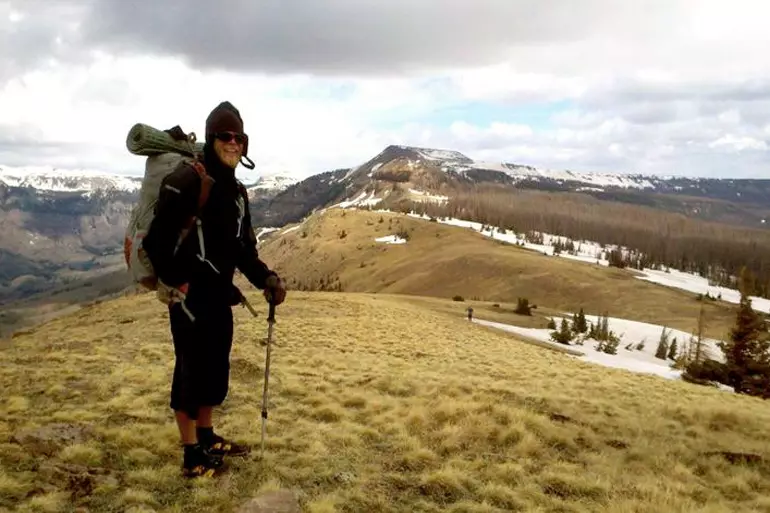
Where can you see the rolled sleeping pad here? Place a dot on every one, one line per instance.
(146, 141)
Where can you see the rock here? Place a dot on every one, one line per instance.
(738, 458)
(48, 439)
(280, 501)
(344, 477)
(79, 480)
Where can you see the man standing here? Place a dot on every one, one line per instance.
(198, 279)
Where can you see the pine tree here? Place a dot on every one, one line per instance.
(604, 327)
(662, 350)
(746, 350)
(564, 335)
(579, 324)
(699, 350)
(672, 350)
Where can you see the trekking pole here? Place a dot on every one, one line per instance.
(270, 322)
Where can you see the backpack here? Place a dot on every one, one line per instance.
(163, 157)
(166, 151)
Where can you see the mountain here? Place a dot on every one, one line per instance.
(51, 179)
(271, 183)
(59, 227)
(54, 223)
(404, 173)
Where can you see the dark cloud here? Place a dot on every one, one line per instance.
(635, 90)
(353, 36)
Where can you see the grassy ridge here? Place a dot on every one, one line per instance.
(444, 261)
(392, 406)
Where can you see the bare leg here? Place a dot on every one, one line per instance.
(186, 427)
(205, 414)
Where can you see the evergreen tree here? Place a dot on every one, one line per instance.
(662, 350)
(579, 323)
(746, 350)
(672, 350)
(564, 335)
(699, 350)
(604, 327)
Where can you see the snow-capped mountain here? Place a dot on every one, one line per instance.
(46, 178)
(397, 171)
(454, 161)
(273, 182)
(54, 222)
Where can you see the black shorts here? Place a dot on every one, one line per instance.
(202, 350)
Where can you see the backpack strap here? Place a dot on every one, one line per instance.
(241, 201)
(206, 183)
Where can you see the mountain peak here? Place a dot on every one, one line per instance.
(421, 153)
(273, 182)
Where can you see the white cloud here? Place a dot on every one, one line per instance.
(680, 87)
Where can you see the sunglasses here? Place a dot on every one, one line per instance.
(229, 136)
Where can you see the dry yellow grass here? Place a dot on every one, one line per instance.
(444, 261)
(392, 406)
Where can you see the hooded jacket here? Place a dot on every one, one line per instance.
(228, 237)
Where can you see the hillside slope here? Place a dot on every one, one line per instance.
(443, 261)
(376, 405)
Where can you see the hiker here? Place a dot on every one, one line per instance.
(200, 289)
(470, 313)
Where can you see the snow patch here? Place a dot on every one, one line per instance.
(391, 239)
(592, 253)
(629, 332)
(430, 154)
(364, 199)
(586, 251)
(265, 231)
(698, 285)
(424, 196)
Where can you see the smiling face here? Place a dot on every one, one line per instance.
(229, 152)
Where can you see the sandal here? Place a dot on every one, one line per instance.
(220, 447)
(200, 462)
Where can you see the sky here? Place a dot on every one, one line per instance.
(674, 87)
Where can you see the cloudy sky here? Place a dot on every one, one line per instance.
(676, 87)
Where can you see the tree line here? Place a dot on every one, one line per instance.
(656, 238)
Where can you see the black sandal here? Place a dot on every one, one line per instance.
(220, 447)
(200, 462)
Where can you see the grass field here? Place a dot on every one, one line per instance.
(392, 406)
(444, 261)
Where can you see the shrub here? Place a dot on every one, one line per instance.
(564, 335)
(705, 372)
(523, 307)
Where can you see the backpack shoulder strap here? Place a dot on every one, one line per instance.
(206, 182)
